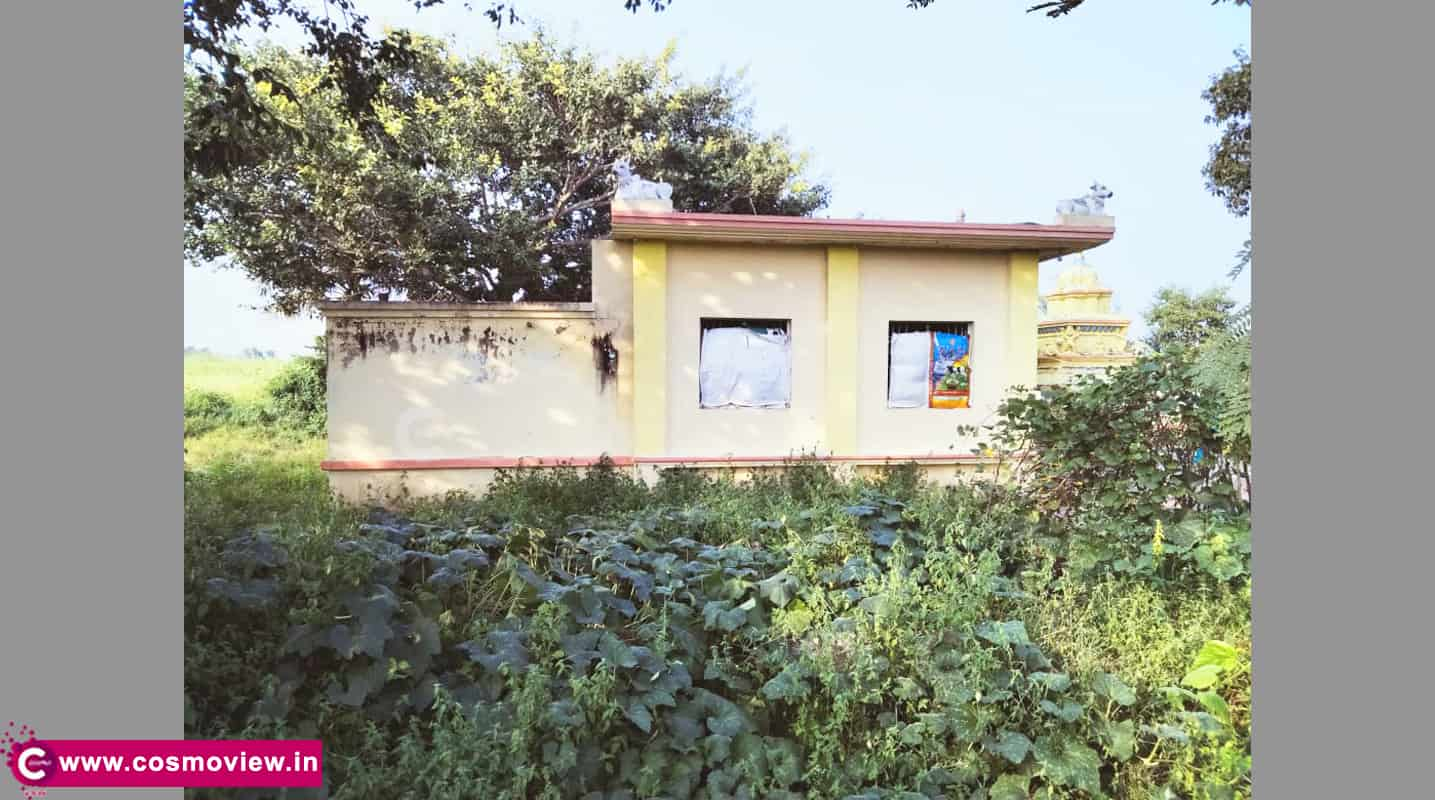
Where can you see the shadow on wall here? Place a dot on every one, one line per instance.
(454, 387)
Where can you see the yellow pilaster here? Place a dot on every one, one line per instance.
(842, 271)
(1021, 330)
(650, 348)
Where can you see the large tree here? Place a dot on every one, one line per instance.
(334, 32)
(489, 179)
(1181, 318)
(1228, 173)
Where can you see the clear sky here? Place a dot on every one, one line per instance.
(914, 114)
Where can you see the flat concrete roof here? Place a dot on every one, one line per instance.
(1048, 241)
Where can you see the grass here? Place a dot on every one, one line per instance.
(242, 476)
(241, 379)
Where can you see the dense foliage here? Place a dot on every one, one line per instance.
(1217, 335)
(801, 635)
(230, 130)
(1139, 445)
(1180, 318)
(1228, 173)
(293, 400)
(492, 178)
(1223, 372)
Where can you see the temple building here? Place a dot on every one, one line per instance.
(1077, 332)
(721, 342)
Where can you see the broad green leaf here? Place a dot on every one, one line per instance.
(1218, 654)
(1054, 681)
(1202, 677)
(779, 589)
(638, 714)
(616, 652)
(1010, 787)
(786, 685)
(1010, 745)
(913, 733)
(1113, 688)
(1067, 762)
(784, 760)
(716, 748)
(1207, 723)
(1119, 738)
(565, 714)
(581, 649)
(1164, 731)
(1215, 704)
(1067, 712)
(726, 720)
(1004, 633)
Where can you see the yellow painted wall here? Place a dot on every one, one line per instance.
(650, 361)
(613, 309)
(931, 286)
(843, 382)
(1073, 306)
(469, 387)
(782, 282)
(1022, 312)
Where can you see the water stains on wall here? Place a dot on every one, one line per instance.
(605, 358)
(492, 350)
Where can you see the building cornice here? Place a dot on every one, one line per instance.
(1048, 241)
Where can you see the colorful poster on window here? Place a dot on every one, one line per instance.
(950, 378)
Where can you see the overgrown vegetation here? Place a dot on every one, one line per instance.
(258, 396)
(806, 634)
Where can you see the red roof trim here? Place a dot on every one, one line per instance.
(780, 223)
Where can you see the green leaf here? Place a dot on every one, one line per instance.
(913, 733)
(1054, 681)
(616, 652)
(716, 748)
(565, 714)
(1202, 677)
(719, 615)
(1215, 704)
(1113, 688)
(638, 714)
(784, 760)
(1010, 787)
(1218, 654)
(779, 589)
(1119, 738)
(1004, 633)
(726, 719)
(1008, 744)
(1164, 731)
(1207, 723)
(789, 684)
(1067, 762)
(1067, 712)
(581, 649)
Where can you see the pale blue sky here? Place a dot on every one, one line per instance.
(915, 114)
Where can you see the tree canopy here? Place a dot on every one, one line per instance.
(1228, 173)
(1180, 317)
(489, 179)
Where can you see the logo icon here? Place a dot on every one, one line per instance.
(31, 761)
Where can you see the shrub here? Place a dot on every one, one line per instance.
(1142, 443)
(205, 411)
(297, 396)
